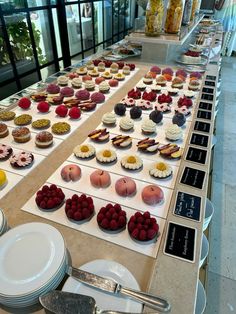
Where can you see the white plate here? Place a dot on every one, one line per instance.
(202, 62)
(30, 256)
(107, 301)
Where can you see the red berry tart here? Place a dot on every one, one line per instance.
(79, 208)
(112, 218)
(143, 227)
(163, 98)
(49, 197)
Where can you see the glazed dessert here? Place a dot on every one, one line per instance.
(151, 96)
(181, 73)
(165, 108)
(135, 112)
(152, 195)
(184, 101)
(189, 94)
(119, 76)
(49, 197)
(113, 83)
(3, 179)
(183, 109)
(67, 91)
(87, 105)
(163, 98)
(99, 80)
(71, 172)
(173, 132)
(120, 109)
(126, 124)
(148, 79)
(40, 96)
(97, 97)
(86, 78)
(82, 94)
(177, 83)
(76, 83)
(122, 141)
(60, 128)
(125, 187)
(168, 77)
(72, 102)
(101, 66)
(7, 115)
(131, 162)
(114, 68)
(109, 119)
(3, 130)
(191, 57)
(24, 103)
(155, 69)
(44, 139)
(89, 85)
(112, 218)
(82, 71)
(167, 71)
(179, 119)
(53, 89)
(156, 116)
(23, 119)
(62, 80)
(144, 104)
(160, 170)
(173, 91)
(104, 87)
(155, 88)
(170, 151)
(194, 85)
(84, 151)
(5, 152)
(74, 113)
(120, 64)
(43, 106)
(126, 70)
(21, 160)
(94, 73)
(141, 86)
(148, 145)
(100, 179)
(100, 135)
(61, 111)
(161, 80)
(148, 126)
(143, 227)
(134, 93)
(128, 102)
(21, 134)
(55, 100)
(196, 75)
(106, 156)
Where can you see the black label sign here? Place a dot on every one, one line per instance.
(208, 83)
(204, 115)
(180, 241)
(211, 77)
(193, 177)
(205, 106)
(68, 69)
(199, 140)
(188, 206)
(58, 74)
(207, 97)
(202, 126)
(196, 155)
(208, 90)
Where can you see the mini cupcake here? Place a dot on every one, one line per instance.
(86, 78)
(184, 110)
(94, 73)
(119, 76)
(89, 85)
(141, 86)
(106, 156)
(189, 93)
(62, 80)
(126, 124)
(144, 104)
(160, 170)
(173, 91)
(82, 94)
(177, 83)
(104, 87)
(109, 119)
(148, 79)
(101, 66)
(90, 66)
(21, 134)
(148, 127)
(167, 71)
(131, 162)
(126, 70)
(3, 130)
(165, 107)
(113, 83)
(76, 82)
(194, 85)
(173, 132)
(44, 139)
(114, 68)
(155, 69)
(67, 92)
(53, 89)
(120, 109)
(155, 88)
(128, 102)
(82, 71)
(196, 75)
(84, 151)
(161, 80)
(107, 75)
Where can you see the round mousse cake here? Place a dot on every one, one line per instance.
(3, 130)
(44, 139)
(21, 134)
(111, 218)
(100, 178)
(152, 195)
(21, 160)
(125, 187)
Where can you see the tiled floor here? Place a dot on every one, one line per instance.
(221, 286)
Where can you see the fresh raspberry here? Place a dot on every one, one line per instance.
(70, 214)
(86, 213)
(61, 111)
(135, 233)
(132, 219)
(91, 207)
(108, 215)
(131, 226)
(109, 205)
(50, 204)
(75, 198)
(142, 235)
(67, 207)
(78, 205)
(138, 214)
(39, 193)
(38, 199)
(74, 208)
(43, 205)
(151, 234)
(103, 210)
(77, 215)
(74, 113)
(43, 106)
(90, 200)
(155, 227)
(115, 216)
(140, 219)
(112, 211)
(83, 197)
(122, 221)
(105, 223)
(113, 225)
(24, 103)
(45, 188)
(117, 207)
(68, 201)
(100, 217)
(146, 215)
(147, 221)
(153, 220)
(53, 187)
(122, 213)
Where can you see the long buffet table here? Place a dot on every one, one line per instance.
(173, 273)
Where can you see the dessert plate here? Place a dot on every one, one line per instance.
(202, 62)
(112, 270)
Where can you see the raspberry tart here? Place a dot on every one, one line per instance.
(49, 197)
(111, 218)
(79, 208)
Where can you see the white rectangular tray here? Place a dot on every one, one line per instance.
(12, 180)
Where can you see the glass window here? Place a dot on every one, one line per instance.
(57, 33)
(73, 27)
(115, 16)
(87, 24)
(98, 22)
(107, 19)
(29, 80)
(7, 90)
(36, 3)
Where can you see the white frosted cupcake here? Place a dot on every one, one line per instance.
(126, 124)
(76, 82)
(109, 119)
(141, 86)
(160, 170)
(101, 67)
(148, 126)
(173, 132)
(62, 80)
(104, 87)
(126, 70)
(90, 66)
(155, 88)
(84, 151)
(89, 85)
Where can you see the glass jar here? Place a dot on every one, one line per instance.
(174, 15)
(194, 7)
(154, 16)
(187, 12)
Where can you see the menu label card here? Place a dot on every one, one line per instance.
(204, 115)
(202, 126)
(196, 155)
(199, 140)
(211, 77)
(208, 90)
(188, 206)
(208, 83)
(180, 242)
(205, 106)
(207, 97)
(193, 177)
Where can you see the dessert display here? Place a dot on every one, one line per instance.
(179, 119)
(173, 91)
(109, 119)
(113, 83)
(152, 195)
(3, 130)
(21, 134)
(23, 119)
(53, 89)
(71, 172)
(194, 85)
(49, 197)
(184, 101)
(100, 135)
(155, 69)
(74, 113)
(60, 128)
(134, 93)
(87, 105)
(128, 102)
(21, 160)
(168, 71)
(143, 227)
(89, 85)
(61, 111)
(141, 86)
(7, 115)
(131, 162)
(43, 106)
(177, 83)
(148, 79)
(79, 208)
(73, 75)
(193, 57)
(122, 141)
(5, 152)
(82, 70)
(44, 139)
(24, 103)
(126, 70)
(163, 98)
(125, 187)
(119, 76)
(120, 109)
(55, 100)
(135, 112)
(165, 108)
(86, 78)
(148, 145)
(144, 104)
(3, 179)
(183, 109)
(67, 91)
(114, 68)
(161, 80)
(62, 80)
(100, 179)
(97, 97)
(148, 126)
(156, 116)
(174, 16)
(41, 124)
(126, 124)
(173, 132)
(107, 75)
(104, 87)
(181, 73)
(112, 218)
(82, 94)
(151, 96)
(170, 151)
(106, 156)
(84, 151)
(160, 170)
(154, 16)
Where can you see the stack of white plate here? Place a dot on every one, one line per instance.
(33, 261)
(209, 211)
(3, 223)
(201, 299)
(204, 250)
